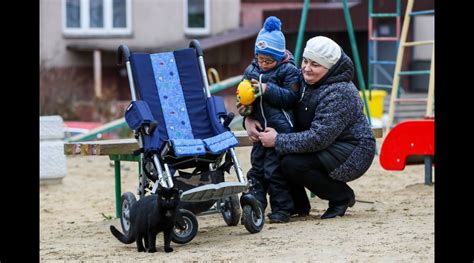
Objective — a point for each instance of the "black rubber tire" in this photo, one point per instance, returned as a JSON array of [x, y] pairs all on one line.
[[231, 210], [184, 236], [253, 220], [126, 201]]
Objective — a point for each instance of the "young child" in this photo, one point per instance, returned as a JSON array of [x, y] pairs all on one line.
[[275, 80]]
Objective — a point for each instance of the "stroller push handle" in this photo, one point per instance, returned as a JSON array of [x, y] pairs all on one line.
[[200, 55], [123, 54], [123, 58], [195, 44]]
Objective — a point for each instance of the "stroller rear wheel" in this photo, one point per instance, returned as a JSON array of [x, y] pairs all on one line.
[[230, 210], [252, 219], [182, 234], [126, 201]]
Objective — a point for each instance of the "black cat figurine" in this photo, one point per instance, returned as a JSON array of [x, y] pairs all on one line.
[[149, 216]]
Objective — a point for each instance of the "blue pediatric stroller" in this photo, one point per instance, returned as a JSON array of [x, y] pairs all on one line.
[[180, 126]]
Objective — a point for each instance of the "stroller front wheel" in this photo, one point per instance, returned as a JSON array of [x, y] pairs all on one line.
[[126, 201], [182, 234], [231, 210], [253, 219]]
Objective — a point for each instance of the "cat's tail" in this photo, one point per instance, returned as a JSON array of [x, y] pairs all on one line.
[[127, 239]]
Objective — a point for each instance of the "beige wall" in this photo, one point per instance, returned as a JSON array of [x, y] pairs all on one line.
[[423, 30], [225, 15], [154, 23]]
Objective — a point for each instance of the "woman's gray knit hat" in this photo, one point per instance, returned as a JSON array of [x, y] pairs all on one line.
[[323, 51]]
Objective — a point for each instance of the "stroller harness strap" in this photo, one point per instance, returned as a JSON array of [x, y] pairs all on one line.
[[221, 142], [188, 147]]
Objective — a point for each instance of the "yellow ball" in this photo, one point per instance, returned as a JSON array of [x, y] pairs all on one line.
[[245, 93]]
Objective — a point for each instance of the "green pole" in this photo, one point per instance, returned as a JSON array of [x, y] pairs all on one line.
[[118, 189], [370, 69], [350, 30], [225, 84], [299, 40]]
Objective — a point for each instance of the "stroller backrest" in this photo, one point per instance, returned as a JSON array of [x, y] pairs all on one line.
[[173, 88]]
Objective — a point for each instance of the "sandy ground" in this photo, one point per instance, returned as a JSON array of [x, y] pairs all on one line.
[[395, 225]]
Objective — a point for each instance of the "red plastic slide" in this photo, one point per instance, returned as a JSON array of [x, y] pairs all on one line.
[[408, 138]]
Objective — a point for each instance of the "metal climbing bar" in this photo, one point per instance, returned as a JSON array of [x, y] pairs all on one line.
[[374, 64], [299, 40], [418, 43], [424, 12], [394, 98], [382, 62], [225, 84], [429, 109], [385, 86], [355, 54], [384, 38], [414, 72], [383, 15]]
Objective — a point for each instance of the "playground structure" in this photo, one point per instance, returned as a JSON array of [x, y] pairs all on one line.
[[378, 61], [395, 97], [410, 142]]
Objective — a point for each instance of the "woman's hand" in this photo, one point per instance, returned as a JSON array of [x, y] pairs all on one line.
[[252, 127], [268, 137]]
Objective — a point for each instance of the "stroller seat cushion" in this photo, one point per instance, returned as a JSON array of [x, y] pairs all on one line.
[[219, 143], [188, 147]]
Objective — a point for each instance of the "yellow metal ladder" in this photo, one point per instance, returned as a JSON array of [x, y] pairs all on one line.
[[395, 93]]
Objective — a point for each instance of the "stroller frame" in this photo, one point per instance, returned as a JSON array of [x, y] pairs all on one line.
[[161, 175], [165, 177]]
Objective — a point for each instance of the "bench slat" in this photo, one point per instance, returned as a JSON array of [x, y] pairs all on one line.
[[127, 146]]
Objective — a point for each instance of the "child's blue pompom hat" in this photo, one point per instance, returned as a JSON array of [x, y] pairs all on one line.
[[270, 40]]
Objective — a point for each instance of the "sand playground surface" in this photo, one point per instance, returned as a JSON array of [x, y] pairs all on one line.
[[394, 222]]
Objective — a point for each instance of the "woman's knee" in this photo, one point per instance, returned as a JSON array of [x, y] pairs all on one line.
[[298, 162], [288, 164]]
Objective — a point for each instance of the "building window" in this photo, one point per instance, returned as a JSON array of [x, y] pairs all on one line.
[[73, 14], [96, 13], [120, 13], [197, 17], [97, 17]]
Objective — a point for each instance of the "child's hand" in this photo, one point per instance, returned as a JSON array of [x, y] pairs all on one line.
[[244, 110], [256, 90]]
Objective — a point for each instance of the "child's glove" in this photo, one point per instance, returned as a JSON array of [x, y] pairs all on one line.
[[256, 89], [244, 110]]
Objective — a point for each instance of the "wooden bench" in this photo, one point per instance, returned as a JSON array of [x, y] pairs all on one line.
[[122, 150]]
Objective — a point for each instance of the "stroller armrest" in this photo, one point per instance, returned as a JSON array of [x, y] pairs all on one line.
[[138, 116], [217, 111]]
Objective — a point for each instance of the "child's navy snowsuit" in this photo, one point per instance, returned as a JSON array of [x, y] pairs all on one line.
[[273, 110]]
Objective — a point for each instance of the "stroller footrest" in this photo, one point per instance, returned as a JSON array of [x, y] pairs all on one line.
[[213, 191]]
